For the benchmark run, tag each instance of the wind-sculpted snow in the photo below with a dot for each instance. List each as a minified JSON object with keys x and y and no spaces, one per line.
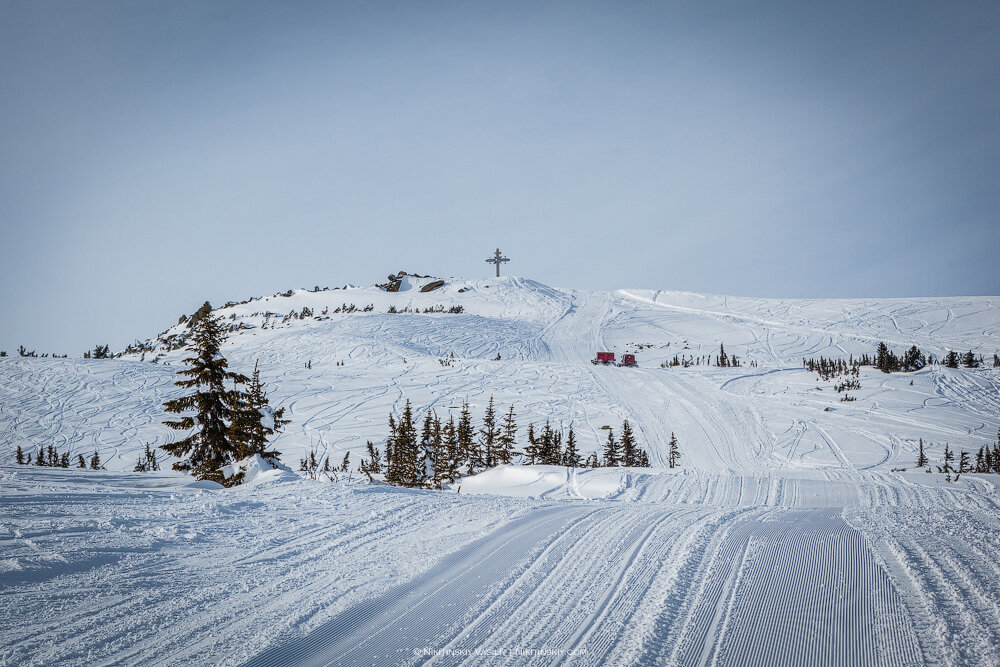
{"x":789,"y":535}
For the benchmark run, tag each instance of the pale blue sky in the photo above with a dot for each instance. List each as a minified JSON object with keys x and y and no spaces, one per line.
{"x":157,"y":154}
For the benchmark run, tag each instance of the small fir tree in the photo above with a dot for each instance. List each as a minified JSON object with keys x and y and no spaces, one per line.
{"x":674,"y":455}
{"x":571,"y":455}
{"x":508,"y":439}
{"x":470,"y":455}
{"x":949,"y":456}
{"x":628,"y":447}
{"x":254,"y":421}
{"x":531,"y":451}
{"x":921,"y":456}
{"x":489,"y":436}
{"x":612,"y":452}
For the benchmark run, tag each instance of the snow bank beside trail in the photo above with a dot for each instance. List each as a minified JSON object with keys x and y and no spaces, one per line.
{"x":556,"y":482}
{"x":258,"y":470}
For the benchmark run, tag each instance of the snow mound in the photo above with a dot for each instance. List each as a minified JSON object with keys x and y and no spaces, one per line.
{"x":258,"y":470}
{"x":552,"y":482}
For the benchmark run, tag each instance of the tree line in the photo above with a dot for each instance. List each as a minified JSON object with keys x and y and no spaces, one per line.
{"x":987,"y":460}
{"x":438,"y":451}
{"x":887,"y":361}
{"x":50,"y":456}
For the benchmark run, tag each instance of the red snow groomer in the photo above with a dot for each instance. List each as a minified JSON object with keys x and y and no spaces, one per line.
{"x":605,"y":358}
{"x":628,"y":360}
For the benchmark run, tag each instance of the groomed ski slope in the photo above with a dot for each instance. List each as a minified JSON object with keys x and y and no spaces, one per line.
{"x":785,"y":538}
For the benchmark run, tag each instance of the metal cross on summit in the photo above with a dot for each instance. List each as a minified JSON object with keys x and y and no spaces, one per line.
{"x":497,"y":259}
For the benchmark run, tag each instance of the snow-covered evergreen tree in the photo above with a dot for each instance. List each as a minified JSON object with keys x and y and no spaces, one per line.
{"x":209,"y":445}
{"x":254,"y":420}
{"x":489,"y":436}
{"x":531,"y":451}
{"x":508,"y":439}
{"x":612,"y":451}
{"x":470,"y":455}
{"x":674,"y":455}
{"x":629,"y":451}
{"x":571,"y":455}
{"x":403,"y":467}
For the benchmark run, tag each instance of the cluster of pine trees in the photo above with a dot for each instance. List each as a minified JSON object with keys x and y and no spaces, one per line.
{"x":439,"y":451}
{"x":624,"y":451}
{"x":53,"y":458}
{"x":147,"y":462}
{"x":99,"y":352}
{"x":969,"y":360}
{"x":887,"y":361}
{"x":831,"y":368}
{"x":311,"y":467}
{"x":724,"y":360}
{"x":987,"y":460}
{"x":453,"y":310}
{"x":442,"y":451}
{"x":228,"y":424}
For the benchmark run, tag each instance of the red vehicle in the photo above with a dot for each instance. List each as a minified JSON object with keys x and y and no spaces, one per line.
{"x":628,"y":360}
{"x":605,"y":358}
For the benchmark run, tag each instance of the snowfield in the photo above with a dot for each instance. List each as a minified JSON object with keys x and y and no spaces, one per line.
{"x":790,"y":535}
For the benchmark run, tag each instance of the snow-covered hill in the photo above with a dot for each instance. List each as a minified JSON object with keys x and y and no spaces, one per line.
{"x":771,"y":416}
{"x":785,"y":537}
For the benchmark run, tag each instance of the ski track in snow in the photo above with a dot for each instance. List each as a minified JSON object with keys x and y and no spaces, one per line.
{"x":785,"y":538}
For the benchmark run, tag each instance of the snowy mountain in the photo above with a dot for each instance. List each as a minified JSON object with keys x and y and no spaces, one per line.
{"x":788,"y":534}
{"x":758,"y":419}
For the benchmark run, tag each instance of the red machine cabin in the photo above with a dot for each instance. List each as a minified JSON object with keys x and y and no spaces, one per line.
{"x":628,"y":360}
{"x":604,"y":358}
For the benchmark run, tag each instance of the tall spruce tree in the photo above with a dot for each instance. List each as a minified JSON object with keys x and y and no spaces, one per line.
{"x":489,"y":436}
{"x":390,"y":442}
{"x":446,"y":471}
{"x":403,"y":468}
{"x":921,"y":456}
{"x":531,"y":451}
{"x":546,"y":445}
{"x":556,"y":451}
{"x":571,"y":455}
{"x":628,"y":447}
{"x":210,"y":446}
{"x":427,"y":450}
{"x":674,"y":455}
{"x":470,"y":455}
{"x":254,"y":420}
{"x":612,"y":451}
{"x":963,"y":462}
{"x":508,"y":439}
{"x":949,"y":456}
{"x":20,"y":456}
